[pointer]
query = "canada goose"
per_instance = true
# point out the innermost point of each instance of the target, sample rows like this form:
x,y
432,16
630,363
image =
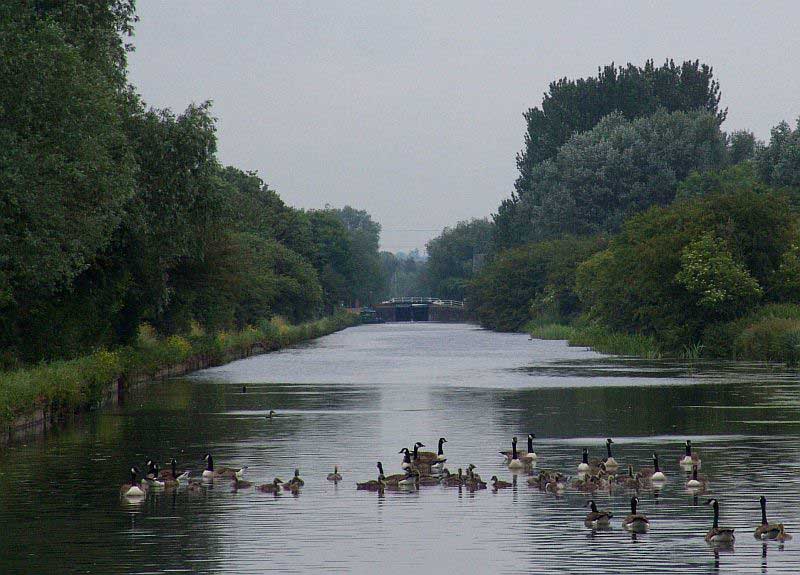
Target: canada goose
x,y
428,480
226,472
527,457
610,461
769,530
636,522
273,487
296,479
406,458
409,481
690,458
471,472
133,489
431,457
629,480
696,482
583,466
152,479
450,480
497,484
335,476
208,472
658,475
718,534
514,462
151,472
473,483
595,517
271,414
390,479
373,484
555,484
782,536
293,488
241,484
244,389
171,477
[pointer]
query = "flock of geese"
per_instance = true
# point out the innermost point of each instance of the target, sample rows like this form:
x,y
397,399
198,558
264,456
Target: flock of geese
x,y
426,468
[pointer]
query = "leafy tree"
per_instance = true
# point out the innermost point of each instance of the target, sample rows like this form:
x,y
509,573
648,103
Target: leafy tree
x,y
778,163
454,255
618,168
532,281
675,270
364,235
742,147
573,106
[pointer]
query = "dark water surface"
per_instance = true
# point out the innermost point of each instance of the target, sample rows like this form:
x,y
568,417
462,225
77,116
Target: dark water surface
x,y
358,396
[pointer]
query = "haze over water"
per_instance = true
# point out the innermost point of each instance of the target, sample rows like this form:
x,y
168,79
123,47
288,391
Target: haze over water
x,y
359,396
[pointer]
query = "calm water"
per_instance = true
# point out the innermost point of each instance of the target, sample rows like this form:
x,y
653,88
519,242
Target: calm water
x,y
357,397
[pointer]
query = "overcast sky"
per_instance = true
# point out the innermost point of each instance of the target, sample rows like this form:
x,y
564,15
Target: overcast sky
x,y
413,111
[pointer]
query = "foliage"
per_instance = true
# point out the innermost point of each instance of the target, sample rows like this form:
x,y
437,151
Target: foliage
x,y
405,274
536,279
600,177
454,256
666,274
80,383
573,106
778,163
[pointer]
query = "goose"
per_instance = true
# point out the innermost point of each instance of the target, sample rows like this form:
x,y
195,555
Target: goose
x,y
595,517
497,484
610,461
406,458
450,480
471,472
515,462
171,478
431,457
696,482
335,476
782,536
718,534
658,475
293,488
208,472
270,415
524,456
133,489
296,479
152,470
273,487
769,530
555,485
690,458
583,466
152,479
636,522
474,483
428,479
629,480
373,484
409,481
241,484
391,479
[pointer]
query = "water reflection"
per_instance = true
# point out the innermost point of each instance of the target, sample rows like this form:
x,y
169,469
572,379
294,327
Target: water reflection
x,y
357,397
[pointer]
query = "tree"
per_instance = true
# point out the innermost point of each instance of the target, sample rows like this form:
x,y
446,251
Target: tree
x,y
778,163
536,281
673,271
454,256
618,168
573,106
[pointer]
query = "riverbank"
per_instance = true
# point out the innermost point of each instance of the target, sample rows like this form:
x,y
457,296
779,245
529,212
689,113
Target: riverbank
x,y
35,397
769,333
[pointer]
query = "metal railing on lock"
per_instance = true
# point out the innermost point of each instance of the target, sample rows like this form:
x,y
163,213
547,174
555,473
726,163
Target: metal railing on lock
x,y
423,300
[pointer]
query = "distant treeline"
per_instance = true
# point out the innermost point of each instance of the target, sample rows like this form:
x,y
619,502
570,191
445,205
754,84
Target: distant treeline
x,y
635,213
114,214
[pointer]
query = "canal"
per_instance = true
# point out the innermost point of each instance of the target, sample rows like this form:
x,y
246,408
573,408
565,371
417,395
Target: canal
x,y
359,396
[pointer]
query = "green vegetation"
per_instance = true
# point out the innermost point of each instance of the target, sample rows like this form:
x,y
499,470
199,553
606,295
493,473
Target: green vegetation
x,y
116,213
637,226
69,385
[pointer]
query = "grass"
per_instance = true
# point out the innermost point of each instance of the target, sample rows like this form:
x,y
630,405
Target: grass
x,y
598,338
80,383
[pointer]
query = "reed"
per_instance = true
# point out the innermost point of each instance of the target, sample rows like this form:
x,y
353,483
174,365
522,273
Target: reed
x,y
76,384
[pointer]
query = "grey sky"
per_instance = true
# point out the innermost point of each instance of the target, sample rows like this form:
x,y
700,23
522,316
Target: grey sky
x,y
413,110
